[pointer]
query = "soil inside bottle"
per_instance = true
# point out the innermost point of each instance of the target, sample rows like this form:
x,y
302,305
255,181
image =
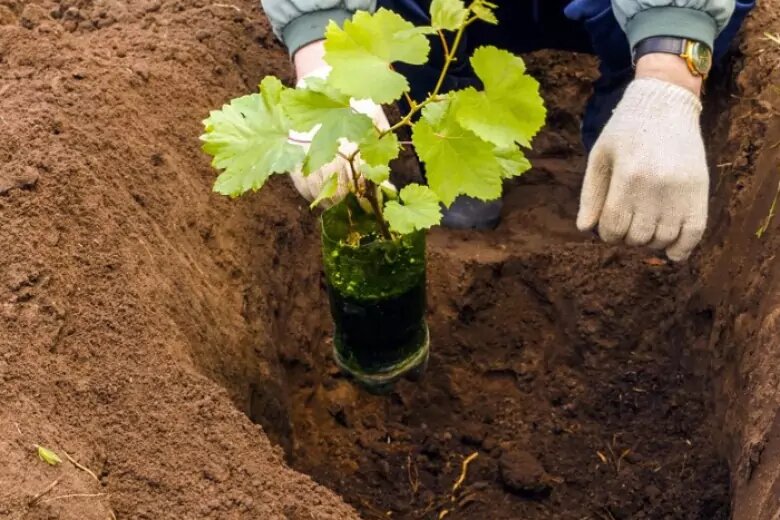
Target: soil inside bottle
x,y
377,297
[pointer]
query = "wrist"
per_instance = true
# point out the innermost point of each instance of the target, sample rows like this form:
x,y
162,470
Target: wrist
x,y
308,58
670,68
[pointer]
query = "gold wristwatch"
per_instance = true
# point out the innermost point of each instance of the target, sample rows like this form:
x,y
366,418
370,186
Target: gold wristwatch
x,y
696,54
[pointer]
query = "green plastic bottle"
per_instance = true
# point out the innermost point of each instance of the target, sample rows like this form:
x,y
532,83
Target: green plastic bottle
x,y
377,298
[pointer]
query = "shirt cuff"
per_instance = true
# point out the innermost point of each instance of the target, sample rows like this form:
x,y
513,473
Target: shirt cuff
x,y
680,22
310,27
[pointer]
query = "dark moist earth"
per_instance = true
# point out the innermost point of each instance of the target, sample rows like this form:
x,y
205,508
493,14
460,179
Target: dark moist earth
x,y
549,360
144,319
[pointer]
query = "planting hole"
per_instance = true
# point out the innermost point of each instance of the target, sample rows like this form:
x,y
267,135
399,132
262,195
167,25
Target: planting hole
x,y
556,359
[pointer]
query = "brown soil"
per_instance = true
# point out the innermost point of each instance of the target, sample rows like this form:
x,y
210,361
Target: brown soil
x,y
124,281
145,320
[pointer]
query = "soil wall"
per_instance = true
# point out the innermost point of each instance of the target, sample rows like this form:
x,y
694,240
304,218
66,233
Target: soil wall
x,y
737,292
123,279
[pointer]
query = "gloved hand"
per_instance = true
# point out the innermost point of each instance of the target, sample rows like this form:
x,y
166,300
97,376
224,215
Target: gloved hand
x,y
309,63
647,181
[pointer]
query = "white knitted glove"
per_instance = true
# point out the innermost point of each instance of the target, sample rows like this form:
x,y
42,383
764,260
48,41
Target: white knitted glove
x,y
310,186
647,181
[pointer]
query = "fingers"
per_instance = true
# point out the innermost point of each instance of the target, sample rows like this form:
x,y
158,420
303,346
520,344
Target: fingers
x,y
594,189
636,229
690,235
639,228
301,184
372,110
666,233
618,212
614,224
310,186
643,227
636,209
679,240
601,203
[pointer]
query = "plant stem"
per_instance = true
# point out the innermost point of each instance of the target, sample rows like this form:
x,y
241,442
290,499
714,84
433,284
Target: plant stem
x,y
449,57
352,170
370,193
371,189
409,99
374,201
444,43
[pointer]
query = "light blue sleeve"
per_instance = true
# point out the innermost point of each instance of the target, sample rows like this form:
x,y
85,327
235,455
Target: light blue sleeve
x,y
700,20
299,22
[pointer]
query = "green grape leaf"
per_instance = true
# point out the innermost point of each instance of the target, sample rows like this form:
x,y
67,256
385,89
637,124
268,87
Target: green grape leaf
x,y
48,456
307,106
417,29
376,174
320,103
448,15
483,10
362,53
510,108
434,112
420,210
513,161
379,151
456,160
248,140
329,189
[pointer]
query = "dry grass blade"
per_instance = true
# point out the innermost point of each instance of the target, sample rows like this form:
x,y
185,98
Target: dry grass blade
x,y
228,6
464,471
75,495
373,511
37,497
82,468
413,474
455,501
773,37
768,220
623,455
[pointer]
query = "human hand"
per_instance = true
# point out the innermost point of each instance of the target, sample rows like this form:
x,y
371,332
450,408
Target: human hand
x,y
309,63
647,180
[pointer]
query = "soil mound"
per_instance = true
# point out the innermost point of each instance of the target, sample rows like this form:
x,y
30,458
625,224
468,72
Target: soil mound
x,y
123,280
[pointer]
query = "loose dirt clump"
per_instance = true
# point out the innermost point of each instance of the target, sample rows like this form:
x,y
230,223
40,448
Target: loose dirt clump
x,y
145,320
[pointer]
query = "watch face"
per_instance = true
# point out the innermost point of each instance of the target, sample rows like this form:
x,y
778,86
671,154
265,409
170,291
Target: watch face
x,y
701,57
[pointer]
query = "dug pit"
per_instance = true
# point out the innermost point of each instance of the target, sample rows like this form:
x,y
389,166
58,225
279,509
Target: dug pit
x,y
556,360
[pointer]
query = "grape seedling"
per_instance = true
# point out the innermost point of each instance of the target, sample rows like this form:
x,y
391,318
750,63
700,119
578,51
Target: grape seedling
x,y
469,140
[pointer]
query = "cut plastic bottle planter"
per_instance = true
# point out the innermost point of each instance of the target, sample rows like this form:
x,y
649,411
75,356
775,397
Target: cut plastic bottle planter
x,y
377,299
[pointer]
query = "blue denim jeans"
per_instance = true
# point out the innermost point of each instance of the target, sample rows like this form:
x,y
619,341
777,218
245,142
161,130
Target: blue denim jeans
x,y
587,26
